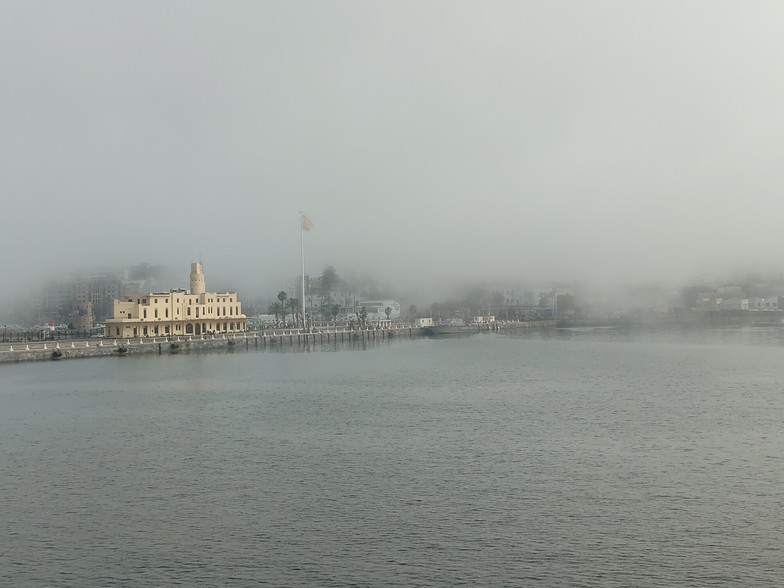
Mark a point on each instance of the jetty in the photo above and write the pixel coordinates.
(248, 340)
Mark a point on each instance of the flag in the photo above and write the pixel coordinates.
(306, 224)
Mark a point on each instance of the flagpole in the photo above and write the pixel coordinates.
(302, 261)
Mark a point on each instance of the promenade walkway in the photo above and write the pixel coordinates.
(107, 346)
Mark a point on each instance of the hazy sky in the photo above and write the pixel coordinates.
(619, 140)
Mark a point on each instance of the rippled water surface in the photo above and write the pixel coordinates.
(570, 458)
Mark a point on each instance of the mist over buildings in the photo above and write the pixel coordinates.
(430, 143)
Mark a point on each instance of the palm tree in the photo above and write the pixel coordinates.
(293, 305)
(275, 308)
(282, 297)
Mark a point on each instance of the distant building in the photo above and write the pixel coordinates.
(759, 303)
(347, 301)
(62, 299)
(734, 304)
(376, 309)
(177, 312)
(708, 302)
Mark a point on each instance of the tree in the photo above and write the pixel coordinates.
(293, 305)
(282, 297)
(329, 277)
(334, 310)
(275, 308)
(388, 311)
(412, 313)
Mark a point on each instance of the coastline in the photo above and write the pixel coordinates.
(257, 340)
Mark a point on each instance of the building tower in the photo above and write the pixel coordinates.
(197, 278)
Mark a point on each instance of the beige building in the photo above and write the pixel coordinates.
(177, 312)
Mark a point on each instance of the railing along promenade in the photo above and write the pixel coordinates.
(25, 350)
(30, 350)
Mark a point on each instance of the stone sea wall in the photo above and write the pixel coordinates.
(49, 351)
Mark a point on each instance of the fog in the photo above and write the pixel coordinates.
(428, 142)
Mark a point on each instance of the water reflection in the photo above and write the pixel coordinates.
(744, 335)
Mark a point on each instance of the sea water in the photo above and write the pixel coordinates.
(557, 458)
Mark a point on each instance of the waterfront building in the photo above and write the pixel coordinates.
(764, 303)
(177, 312)
(318, 305)
(376, 309)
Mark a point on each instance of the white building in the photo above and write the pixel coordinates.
(759, 303)
(376, 309)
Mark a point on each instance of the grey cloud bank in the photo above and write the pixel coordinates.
(427, 141)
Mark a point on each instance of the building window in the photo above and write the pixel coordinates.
(156, 313)
(166, 313)
(145, 313)
(189, 312)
